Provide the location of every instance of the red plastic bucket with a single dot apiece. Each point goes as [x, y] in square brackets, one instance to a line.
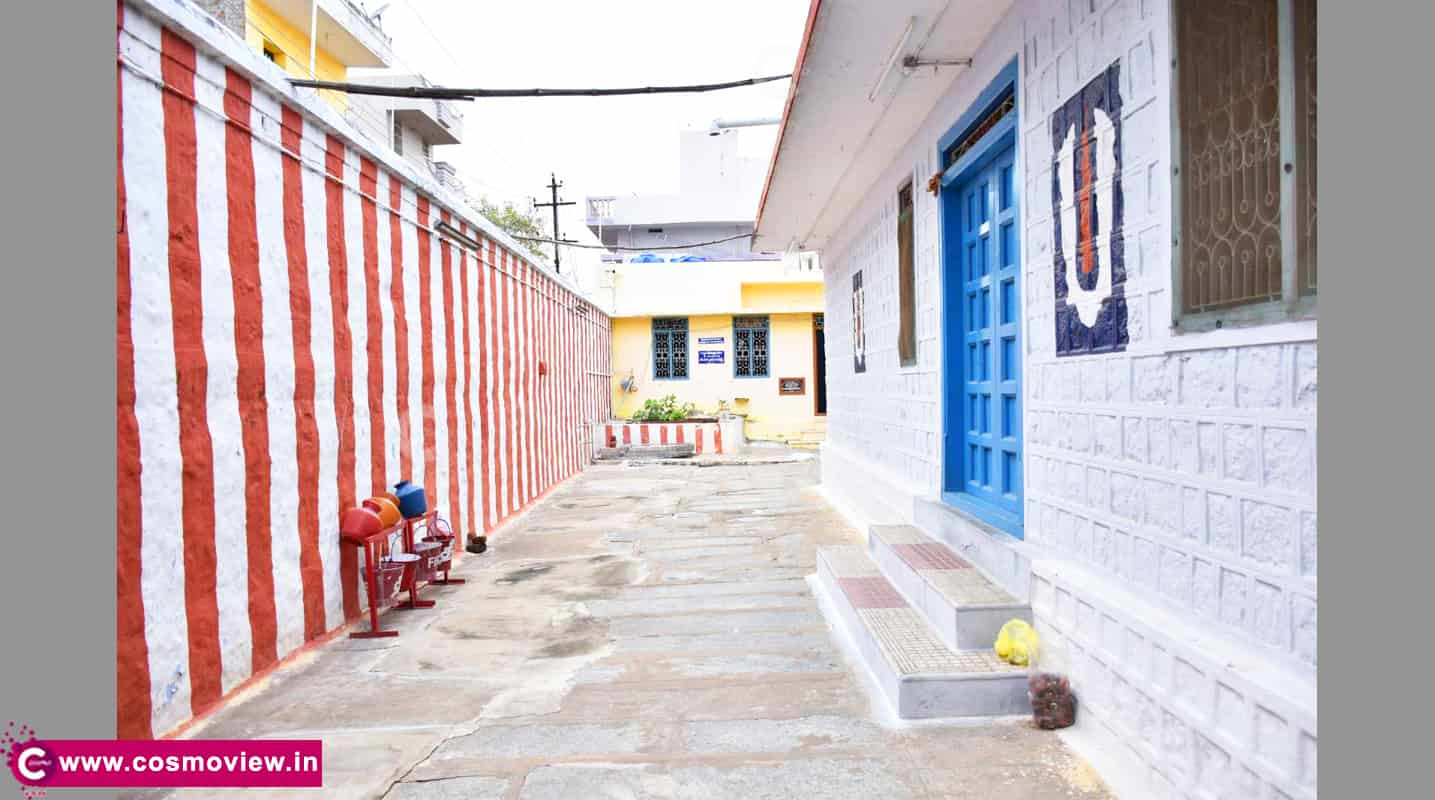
[428, 559]
[440, 531]
[408, 562]
[441, 527]
[386, 585]
[444, 559]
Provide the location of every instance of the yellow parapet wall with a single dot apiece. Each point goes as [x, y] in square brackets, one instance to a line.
[776, 297]
[770, 413]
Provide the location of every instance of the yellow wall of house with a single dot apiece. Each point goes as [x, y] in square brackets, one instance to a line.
[774, 298]
[728, 287]
[262, 23]
[769, 415]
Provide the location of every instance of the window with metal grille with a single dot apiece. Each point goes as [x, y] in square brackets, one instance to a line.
[906, 281]
[1246, 177]
[670, 348]
[749, 345]
[398, 133]
[1000, 109]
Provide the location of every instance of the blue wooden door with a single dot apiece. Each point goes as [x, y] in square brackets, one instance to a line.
[983, 337]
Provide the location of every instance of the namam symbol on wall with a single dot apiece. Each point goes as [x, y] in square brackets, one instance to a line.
[1090, 269]
[859, 334]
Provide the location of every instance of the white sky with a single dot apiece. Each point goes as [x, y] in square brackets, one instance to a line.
[597, 146]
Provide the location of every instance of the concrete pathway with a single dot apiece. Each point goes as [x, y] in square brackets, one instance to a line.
[644, 632]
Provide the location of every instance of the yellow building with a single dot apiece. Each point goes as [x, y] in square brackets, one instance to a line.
[743, 336]
[343, 37]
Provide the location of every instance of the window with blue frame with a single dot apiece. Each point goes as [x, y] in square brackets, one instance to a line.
[749, 345]
[670, 348]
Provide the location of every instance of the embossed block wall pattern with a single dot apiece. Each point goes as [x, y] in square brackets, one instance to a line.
[1179, 469]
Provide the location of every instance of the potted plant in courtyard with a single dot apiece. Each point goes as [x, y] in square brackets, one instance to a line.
[665, 409]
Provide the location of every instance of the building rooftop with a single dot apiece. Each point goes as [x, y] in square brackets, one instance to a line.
[852, 105]
[343, 30]
[716, 185]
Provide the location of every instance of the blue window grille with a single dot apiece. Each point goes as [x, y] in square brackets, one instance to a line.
[750, 347]
[670, 348]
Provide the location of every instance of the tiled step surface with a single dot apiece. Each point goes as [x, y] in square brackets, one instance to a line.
[920, 676]
[963, 606]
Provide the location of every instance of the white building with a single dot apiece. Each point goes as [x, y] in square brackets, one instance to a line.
[410, 126]
[718, 326]
[718, 192]
[349, 45]
[1085, 361]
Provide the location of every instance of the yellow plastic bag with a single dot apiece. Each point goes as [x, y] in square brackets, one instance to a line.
[1017, 643]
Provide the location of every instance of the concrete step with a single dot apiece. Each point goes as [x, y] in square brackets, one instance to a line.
[964, 607]
[919, 676]
[686, 450]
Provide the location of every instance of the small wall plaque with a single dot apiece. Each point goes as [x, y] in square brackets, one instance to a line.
[792, 386]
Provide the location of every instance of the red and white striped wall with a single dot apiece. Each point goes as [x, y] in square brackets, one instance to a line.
[705, 437]
[294, 335]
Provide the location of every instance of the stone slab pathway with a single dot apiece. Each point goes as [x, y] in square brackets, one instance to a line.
[644, 632]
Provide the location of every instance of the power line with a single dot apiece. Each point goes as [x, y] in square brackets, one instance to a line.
[554, 185]
[505, 193]
[445, 93]
[571, 243]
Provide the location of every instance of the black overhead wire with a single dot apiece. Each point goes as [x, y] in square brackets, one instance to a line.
[446, 93]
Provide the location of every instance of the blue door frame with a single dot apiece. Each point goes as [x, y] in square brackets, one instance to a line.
[983, 470]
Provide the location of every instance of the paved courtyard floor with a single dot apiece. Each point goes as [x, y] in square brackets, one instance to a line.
[643, 632]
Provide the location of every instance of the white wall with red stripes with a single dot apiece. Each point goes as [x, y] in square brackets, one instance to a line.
[705, 437]
[294, 335]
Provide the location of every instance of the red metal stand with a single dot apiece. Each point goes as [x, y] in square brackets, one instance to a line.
[427, 520]
[371, 570]
[379, 540]
[414, 601]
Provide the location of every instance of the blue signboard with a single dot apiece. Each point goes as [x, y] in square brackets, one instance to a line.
[710, 356]
[710, 340]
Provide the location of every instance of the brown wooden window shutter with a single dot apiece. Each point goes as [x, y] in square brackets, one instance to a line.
[906, 280]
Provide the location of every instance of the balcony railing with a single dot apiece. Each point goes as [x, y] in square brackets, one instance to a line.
[368, 21]
[448, 115]
[447, 174]
[600, 207]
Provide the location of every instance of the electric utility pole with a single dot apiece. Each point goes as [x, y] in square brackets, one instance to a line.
[553, 186]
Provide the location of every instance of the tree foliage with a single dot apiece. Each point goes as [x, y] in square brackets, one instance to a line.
[515, 223]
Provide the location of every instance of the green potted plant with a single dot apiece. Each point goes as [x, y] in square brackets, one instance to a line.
[663, 409]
